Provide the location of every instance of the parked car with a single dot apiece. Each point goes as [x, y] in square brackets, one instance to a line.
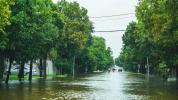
[15, 70]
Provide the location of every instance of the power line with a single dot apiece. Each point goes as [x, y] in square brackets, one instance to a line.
[107, 31]
[113, 19]
[110, 31]
[113, 15]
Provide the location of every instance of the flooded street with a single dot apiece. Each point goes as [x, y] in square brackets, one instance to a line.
[101, 86]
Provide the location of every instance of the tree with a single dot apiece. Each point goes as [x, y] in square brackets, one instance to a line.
[5, 12]
[31, 34]
[75, 35]
[99, 57]
[154, 36]
[159, 20]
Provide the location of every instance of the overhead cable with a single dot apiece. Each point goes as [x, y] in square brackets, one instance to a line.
[112, 19]
[112, 15]
[110, 31]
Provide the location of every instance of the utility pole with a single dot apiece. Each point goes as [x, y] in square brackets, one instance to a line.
[73, 71]
[138, 69]
[148, 69]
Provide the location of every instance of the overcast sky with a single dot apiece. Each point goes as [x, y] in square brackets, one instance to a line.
[106, 8]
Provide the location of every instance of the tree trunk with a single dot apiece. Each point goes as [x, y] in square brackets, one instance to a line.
[30, 73]
[21, 72]
[86, 69]
[41, 68]
[2, 67]
[61, 71]
[9, 71]
[177, 73]
[45, 59]
[73, 68]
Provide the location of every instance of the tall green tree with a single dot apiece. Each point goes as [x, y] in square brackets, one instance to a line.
[99, 57]
[5, 12]
[32, 33]
[76, 32]
[156, 35]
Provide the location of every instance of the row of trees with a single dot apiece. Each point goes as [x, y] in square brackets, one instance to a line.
[38, 30]
[154, 35]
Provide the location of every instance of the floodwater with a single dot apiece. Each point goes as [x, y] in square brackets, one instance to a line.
[101, 86]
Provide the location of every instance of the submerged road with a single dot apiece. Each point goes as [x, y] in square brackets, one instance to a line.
[101, 86]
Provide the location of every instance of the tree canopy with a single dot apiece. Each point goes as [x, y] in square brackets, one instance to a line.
[154, 35]
[34, 31]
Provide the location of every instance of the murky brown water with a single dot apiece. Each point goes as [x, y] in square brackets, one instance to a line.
[105, 86]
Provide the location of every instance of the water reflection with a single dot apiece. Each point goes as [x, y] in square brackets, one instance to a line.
[105, 86]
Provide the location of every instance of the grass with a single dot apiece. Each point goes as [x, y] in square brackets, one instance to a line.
[15, 77]
[60, 76]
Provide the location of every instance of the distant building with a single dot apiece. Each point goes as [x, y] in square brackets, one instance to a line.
[35, 71]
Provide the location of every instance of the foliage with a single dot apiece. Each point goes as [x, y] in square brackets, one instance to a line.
[154, 36]
[4, 20]
[100, 57]
[39, 30]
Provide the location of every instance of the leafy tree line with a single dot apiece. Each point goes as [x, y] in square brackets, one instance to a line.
[34, 31]
[4, 21]
[154, 35]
